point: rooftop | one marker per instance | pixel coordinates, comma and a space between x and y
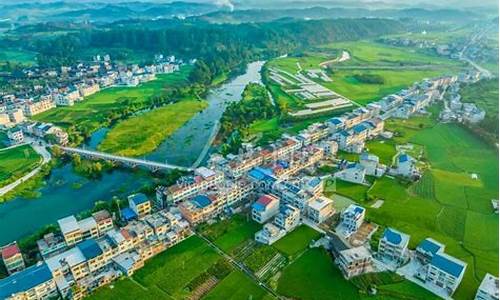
431, 246
201, 201
263, 202
10, 251
128, 214
68, 224
396, 237
89, 248
138, 198
448, 264
319, 203
24, 280
489, 285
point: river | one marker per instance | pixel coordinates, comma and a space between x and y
67, 193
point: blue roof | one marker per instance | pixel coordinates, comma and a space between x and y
403, 158
359, 128
292, 188
138, 198
128, 214
260, 173
258, 206
335, 121
444, 263
358, 209
314, 182
283, 163
89, 248
392, 236
345, 133
24, 280
428, 245
201, 201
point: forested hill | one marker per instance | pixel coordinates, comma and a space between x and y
222, 46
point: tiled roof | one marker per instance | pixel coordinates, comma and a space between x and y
10, 251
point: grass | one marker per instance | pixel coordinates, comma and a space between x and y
17, 56
93, 112
314, 276
296, 241
260, 255
384, 149
16, 162
230, 233
356, 192
144, 133
236, 286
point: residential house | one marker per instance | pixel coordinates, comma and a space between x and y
35, 282
269, 234
320, 209
354, 261
51, 243
140, 204
406, 166
446, 272
351, 220
288, 218
426, 250
354, 173
103, 220
393, 246
265, 208
200, 208
70, 230
488, 290
371, 164
15, 136
12, 258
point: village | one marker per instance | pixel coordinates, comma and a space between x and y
278, 187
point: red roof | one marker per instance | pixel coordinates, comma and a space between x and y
10, 251
265, 199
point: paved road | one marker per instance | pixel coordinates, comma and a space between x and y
240, 266
40, 149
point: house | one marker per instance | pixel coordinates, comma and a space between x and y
70, 230
140, 204
371, 164
426, 250
50, 243
269, 234
17, 116
320, 209
445, 271
35, 282
12, 258
262, 178
288, 218
103, 220
351, 220
15, 136
488, 290
354, 173
354, 261
393, 246
406, 166
4, 119
265, 208
200, 208
33, 108
127, 214
128, 262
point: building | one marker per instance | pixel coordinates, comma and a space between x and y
288, 218
15, 136
269, 234
70, 230
351, 220
446, 272
50, 243
406, 166
35, 282
12, 258
265, 208
488, 290
17, 116
4, 119
320, 209
87, 90
103, 220
393, 246
200, 208
354, 173
426, 250
354, 261
34, 108
371, 164
140, 204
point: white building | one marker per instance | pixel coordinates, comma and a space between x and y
354, 173
269, 234
371, 164
320, 209
488, 290
354, 261
15, 136
288, 218
351, 220
393, 246
446, 272
265, 208
406, 166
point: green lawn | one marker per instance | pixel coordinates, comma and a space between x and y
17, 56
314, 276
94, 111
296, 241
127, 289
356, 192
16, 162
144, 133
384, 149
230, 233
236, 286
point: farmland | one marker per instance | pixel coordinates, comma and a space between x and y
296, 241
141, 134
16, 162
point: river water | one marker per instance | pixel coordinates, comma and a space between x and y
67, 193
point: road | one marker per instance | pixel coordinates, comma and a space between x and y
240, 266
463, 57
40, 149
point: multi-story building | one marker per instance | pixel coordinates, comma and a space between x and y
320, 209
426, 250
15, 136
200, 208
103, 220
354, 261
140, 204
265, 208
393, 246
12, 258
88, 89
269, 234
16, 116
33, 108
288, 218
446, 272
70, 230
35, 282
50, 243
488, 290
351, 219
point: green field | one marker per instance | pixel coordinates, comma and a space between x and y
296, 241
237, 286
314, 276
353, 191
94, 111
228, 234
16, 162
144, 133
384, 149
17, 56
